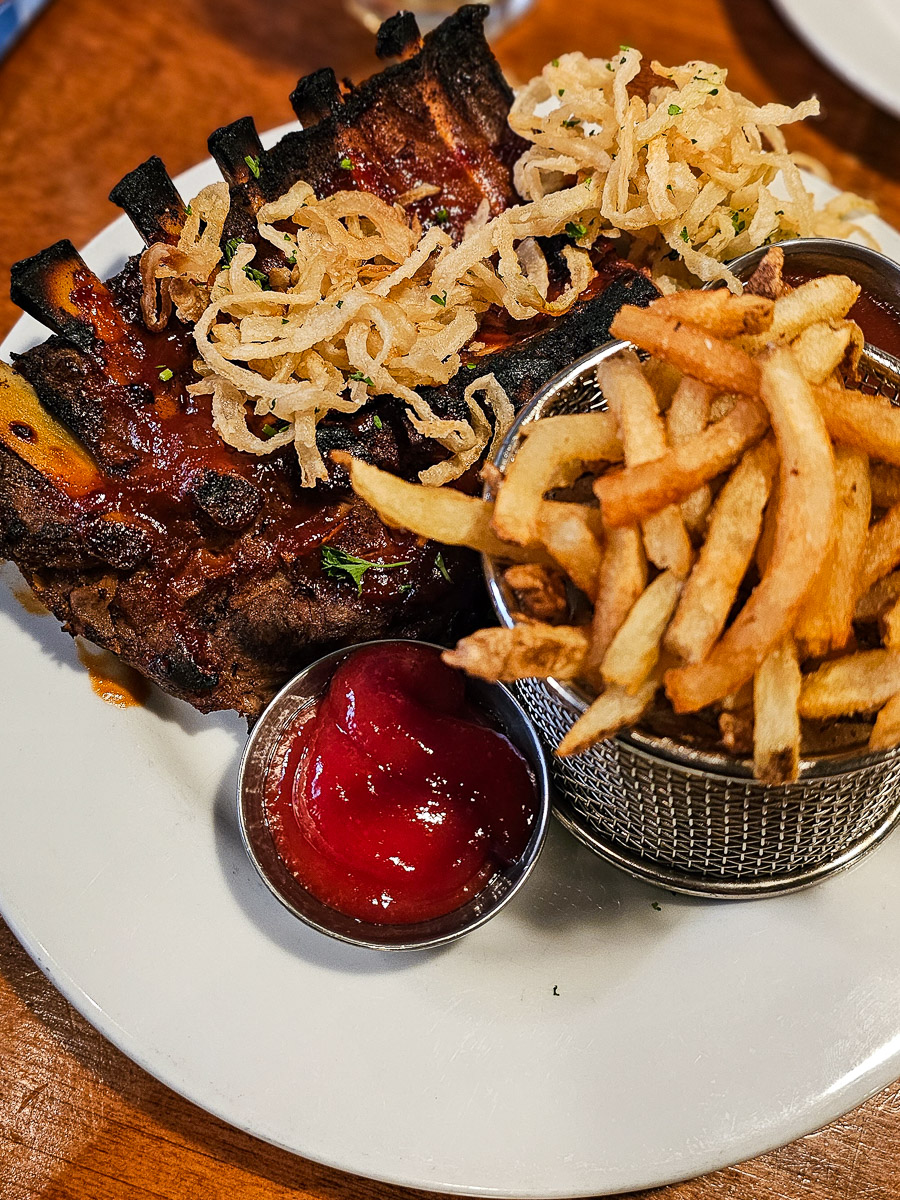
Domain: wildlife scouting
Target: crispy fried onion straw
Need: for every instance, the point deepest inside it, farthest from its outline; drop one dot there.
(368, 306)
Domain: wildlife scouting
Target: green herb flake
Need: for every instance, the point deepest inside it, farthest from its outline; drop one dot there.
(610, 67)
(575, 230)
(471, 366)
(561, 92)
(230, 248)
(339, 564)
(442, 567)
(340, 304)
(189, 211)
(738, 222)
(253, 164)
(271, 428)
(441, 300)
(346, 164)
(377, 422)
(166, 374)
(675, 110)
(284, 320)
(714, 91)
(625, 48)
(684, 235)
(441, 216)
(258, 277)
(360, 378)
(656, 906)
(555, 62)
(571, 122)
(669, 188)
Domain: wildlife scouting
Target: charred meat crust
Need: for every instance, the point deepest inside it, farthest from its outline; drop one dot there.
(200, 565)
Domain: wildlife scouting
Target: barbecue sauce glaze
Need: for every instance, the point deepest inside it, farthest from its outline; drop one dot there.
(392, 800)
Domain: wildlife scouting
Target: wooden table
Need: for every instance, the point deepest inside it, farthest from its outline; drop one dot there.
(94, 88)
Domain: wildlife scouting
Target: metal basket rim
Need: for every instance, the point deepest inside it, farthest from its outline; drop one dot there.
(648, 745)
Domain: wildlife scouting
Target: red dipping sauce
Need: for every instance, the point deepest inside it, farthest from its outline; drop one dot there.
(394, 800)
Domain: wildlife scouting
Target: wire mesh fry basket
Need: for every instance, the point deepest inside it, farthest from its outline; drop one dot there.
(693, 820)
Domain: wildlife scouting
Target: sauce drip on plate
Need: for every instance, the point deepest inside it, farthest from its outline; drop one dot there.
(393, 800)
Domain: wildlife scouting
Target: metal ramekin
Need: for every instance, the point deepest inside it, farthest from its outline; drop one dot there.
(689, 820)
(299, 694)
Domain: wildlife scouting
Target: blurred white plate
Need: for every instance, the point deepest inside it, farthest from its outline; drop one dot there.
(598, 1036)
(860, 41)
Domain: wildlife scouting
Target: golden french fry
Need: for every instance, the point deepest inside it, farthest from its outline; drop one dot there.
(540, 591)
(635, 493)
(826, 619)
(622, 579)
(882, 550)
(725, 367)
(727, 552)
(663, 378)
(803, 536)
(776, 725)
(610, 713)
(885, 481)
(553, 453)
(881, 595)
(441, 513)
(688, 415)
(523, 652)
(856, 683)
(828, 298)
(886, 732)
(635, 649)
(718, 312)
(821, 348)
(870, 423)
(890, 627)
(569, 540)
(631, 399)
(28, 430)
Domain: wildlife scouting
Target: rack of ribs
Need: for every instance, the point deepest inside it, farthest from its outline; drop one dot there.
(200, 565)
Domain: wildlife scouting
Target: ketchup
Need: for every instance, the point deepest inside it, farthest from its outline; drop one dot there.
(393, 800)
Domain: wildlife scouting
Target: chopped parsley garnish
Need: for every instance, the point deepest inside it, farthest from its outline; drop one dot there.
(441, 215)
(610, 67)
(684, 235)
(624, 48)
(669, 188)
(442, 567)
(360, 378)
(571, 122)
(257, 276)
(441, 299)
(714, 91)
(656, 906)
(253, 164)
(377, 422)
(284, 320)
(471, 366)
(555, 62)
(189, 211)
(230, 247)
(270, 429)
(738, 222)
(337, 563)
(675, 110)
(346, 164)
(339, 304)
(166, 373)
(576, 230)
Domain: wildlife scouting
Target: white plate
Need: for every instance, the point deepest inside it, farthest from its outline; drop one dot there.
(860, 41)
(584, 1042)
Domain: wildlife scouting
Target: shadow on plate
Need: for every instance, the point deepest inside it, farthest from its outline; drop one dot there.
(849, 120)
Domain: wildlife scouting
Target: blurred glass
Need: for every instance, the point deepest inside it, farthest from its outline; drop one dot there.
(431, 12)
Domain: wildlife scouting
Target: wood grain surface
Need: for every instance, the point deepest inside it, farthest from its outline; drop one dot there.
(91, 90)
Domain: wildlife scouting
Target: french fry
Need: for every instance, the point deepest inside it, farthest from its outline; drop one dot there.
(635, 493)
(718, 312)
(663, 378)
(881, 595)
(723, 366)
(570, 541)
(869, 423)
(885, 482)
(610, 713)
(523, 652)
(441, 513)
(882, 550)
(540, 591)
(622, 579)
(828, 298)
(886, 732)
(776, 727)
(731, 538)
(688, 415)
(826, 619)
(821, 348)
(803, 536)
(890, 627)
(634, 652)
(643, 435)
(856, 683)
(554, 452)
